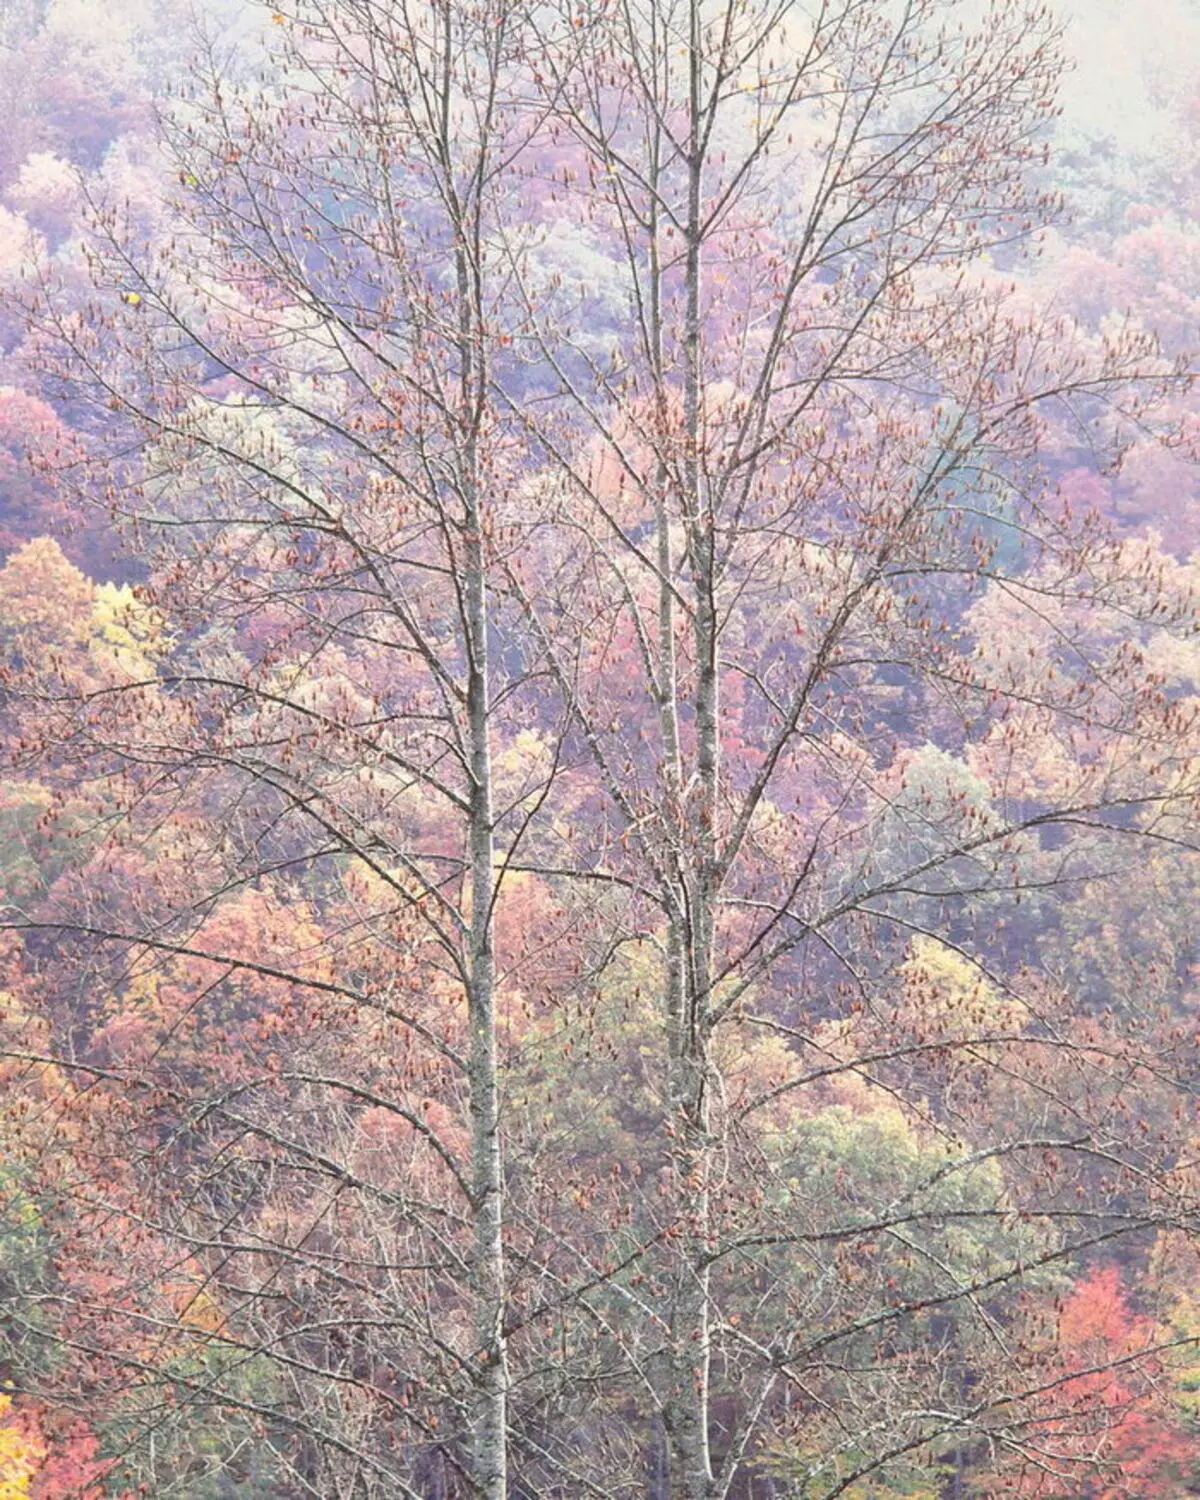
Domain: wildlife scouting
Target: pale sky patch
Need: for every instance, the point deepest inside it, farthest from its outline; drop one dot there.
(1135, 61)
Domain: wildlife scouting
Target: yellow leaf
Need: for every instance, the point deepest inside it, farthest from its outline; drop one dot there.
(20, 1458)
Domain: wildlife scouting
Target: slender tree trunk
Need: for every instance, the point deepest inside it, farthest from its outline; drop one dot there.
(692, 1474)
(490, 1417)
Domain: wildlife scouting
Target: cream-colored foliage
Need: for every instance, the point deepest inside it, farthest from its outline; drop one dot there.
(125, 630)
(521, 768)
(21, 247)
(948, 986)
(45, 182)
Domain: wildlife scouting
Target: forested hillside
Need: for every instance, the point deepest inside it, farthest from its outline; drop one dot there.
(599, 757)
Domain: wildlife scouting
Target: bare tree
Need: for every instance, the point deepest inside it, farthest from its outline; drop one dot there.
(600, 449)
(299, 353)
(805, 441)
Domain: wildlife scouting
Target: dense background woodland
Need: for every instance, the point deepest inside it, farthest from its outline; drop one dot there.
(600, 713)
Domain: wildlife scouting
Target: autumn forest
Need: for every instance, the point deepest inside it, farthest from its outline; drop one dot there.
(599, 756)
